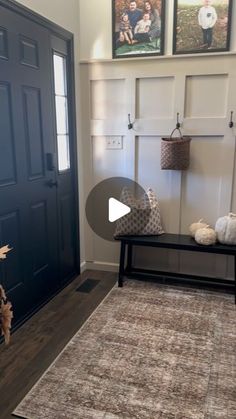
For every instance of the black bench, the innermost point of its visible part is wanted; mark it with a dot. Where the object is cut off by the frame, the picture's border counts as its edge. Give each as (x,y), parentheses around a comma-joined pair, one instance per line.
(177,242)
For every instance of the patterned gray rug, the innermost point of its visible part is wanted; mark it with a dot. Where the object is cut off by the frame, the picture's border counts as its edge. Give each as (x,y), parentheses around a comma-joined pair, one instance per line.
(148,351)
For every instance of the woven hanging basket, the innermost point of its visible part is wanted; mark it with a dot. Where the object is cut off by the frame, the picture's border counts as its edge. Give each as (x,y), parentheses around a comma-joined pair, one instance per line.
(175,152)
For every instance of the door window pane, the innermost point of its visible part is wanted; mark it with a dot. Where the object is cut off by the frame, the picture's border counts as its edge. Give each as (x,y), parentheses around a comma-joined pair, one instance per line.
(63,152)
(59,75)
(61,115)
(61,104)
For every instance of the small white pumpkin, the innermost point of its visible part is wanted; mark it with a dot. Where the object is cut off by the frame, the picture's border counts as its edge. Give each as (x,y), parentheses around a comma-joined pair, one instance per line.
(195,226)
(226,229)
(206,236)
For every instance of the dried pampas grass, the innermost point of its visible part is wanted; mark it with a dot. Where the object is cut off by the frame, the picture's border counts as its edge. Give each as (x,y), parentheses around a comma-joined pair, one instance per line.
(3,251)
(6,316)
(6,313)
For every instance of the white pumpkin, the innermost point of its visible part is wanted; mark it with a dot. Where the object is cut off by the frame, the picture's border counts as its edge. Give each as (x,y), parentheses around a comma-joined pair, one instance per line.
(226,229)
(206,236)
(195,226)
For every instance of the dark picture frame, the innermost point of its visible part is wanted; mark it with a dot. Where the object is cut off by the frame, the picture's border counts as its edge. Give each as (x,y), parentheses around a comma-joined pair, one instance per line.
(136,35)
(192,31)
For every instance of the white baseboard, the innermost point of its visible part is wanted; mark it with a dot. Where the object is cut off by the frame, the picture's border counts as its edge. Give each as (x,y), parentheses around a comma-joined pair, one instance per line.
(102,266)
(83,267)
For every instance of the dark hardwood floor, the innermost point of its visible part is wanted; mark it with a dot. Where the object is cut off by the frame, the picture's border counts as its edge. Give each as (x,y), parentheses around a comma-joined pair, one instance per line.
(36,344)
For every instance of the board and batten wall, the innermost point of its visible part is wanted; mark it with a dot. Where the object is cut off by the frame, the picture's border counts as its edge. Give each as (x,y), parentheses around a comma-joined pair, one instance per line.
(202,89)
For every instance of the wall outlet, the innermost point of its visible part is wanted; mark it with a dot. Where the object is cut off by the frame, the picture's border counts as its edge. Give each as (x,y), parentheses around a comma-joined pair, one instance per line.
(114,142)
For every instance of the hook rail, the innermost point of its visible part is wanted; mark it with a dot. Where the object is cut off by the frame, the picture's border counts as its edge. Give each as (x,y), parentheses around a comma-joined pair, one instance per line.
(131,124)
(231,123)
(177,121)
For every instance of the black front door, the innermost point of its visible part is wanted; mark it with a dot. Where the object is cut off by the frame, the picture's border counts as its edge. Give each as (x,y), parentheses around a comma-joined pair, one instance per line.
(29,214)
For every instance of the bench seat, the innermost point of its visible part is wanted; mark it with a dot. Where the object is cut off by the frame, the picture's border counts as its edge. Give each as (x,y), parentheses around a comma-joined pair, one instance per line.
(177,242)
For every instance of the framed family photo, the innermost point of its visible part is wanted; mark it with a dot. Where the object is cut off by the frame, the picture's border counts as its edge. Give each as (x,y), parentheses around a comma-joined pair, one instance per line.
(201,26)
(137,28)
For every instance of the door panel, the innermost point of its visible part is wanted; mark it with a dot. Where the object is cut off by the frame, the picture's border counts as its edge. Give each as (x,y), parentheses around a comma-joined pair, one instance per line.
(28,205)
(7,148)
(29,52)
(3,44)
(33,132)
(38,204)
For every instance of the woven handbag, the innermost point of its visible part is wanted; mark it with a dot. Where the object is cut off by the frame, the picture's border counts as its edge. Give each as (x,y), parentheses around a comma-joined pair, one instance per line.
(175,152)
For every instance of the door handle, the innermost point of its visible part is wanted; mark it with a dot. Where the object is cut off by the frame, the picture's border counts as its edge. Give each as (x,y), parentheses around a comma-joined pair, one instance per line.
(52,183)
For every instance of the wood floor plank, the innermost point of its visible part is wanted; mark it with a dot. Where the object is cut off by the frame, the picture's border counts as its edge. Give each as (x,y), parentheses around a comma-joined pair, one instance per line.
(37,343)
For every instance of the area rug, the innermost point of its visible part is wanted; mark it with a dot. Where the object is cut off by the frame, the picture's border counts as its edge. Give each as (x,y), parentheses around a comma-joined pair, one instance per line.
(149,351)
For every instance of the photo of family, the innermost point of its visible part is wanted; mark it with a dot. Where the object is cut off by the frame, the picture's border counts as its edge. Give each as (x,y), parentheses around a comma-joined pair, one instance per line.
(138,28)
(201,26)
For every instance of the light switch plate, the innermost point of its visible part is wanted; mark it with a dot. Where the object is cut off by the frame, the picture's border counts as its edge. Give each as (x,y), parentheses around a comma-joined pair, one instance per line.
(114,142)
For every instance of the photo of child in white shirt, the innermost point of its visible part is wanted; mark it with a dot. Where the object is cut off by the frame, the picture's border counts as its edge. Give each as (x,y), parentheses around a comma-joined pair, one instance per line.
(207,18)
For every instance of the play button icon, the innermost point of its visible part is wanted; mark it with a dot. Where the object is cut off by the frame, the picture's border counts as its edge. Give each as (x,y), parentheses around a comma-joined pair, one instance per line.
(104,205)
(117,210)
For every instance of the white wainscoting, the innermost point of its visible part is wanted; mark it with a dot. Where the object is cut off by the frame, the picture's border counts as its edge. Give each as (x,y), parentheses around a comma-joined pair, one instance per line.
(202,90)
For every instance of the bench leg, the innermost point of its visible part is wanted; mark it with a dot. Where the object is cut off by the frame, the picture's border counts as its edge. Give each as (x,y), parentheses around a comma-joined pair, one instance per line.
(122,264)
(234,279)
(129,257)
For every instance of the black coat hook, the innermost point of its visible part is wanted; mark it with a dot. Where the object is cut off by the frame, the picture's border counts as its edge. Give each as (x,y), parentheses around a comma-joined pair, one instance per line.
(177,121)
(231,124)
(130,125)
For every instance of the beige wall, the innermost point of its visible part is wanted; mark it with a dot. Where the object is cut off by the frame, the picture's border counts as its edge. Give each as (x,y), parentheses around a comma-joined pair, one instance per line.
(96,23)
(66,14)
(63,12)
